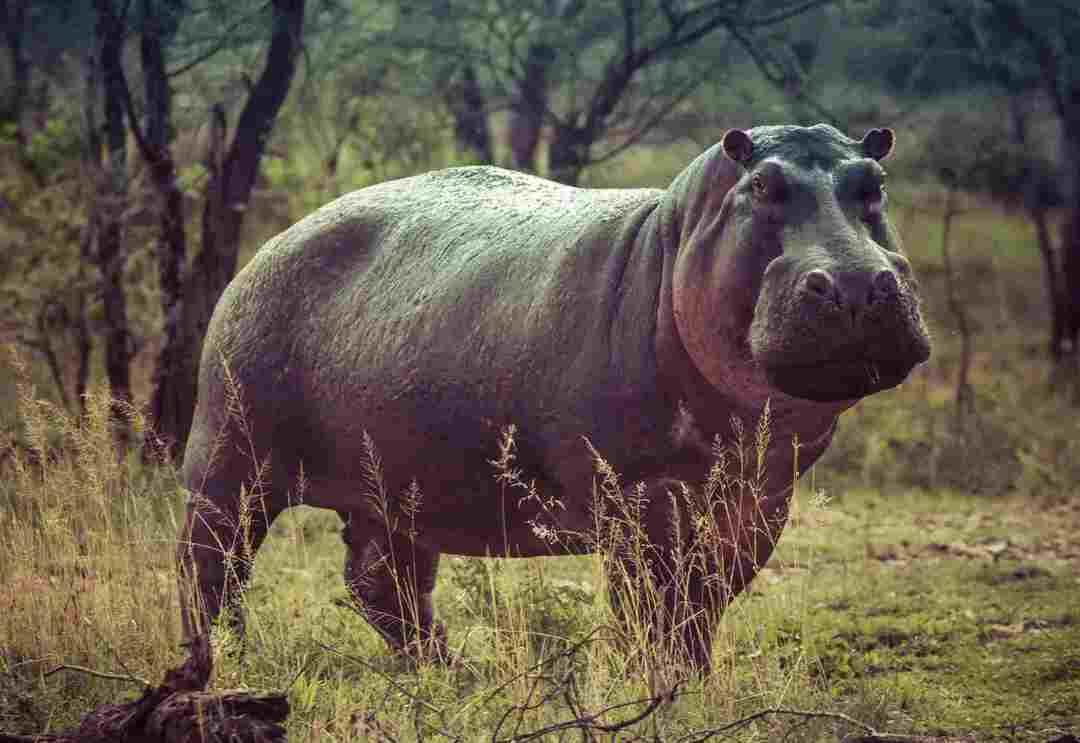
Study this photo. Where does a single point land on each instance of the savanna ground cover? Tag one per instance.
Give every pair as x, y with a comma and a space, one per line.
928, 582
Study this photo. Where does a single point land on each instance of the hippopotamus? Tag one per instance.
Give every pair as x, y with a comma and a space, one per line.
383, 344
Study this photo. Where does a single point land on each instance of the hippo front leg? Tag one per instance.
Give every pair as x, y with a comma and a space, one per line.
672, 570
390, 579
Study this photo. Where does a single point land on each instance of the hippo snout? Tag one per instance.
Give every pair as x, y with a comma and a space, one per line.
851, 294
840, 334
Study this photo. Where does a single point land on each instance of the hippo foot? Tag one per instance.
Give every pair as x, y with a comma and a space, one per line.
432, 649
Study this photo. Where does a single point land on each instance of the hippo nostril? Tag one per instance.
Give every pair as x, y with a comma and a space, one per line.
883, 286
819, 282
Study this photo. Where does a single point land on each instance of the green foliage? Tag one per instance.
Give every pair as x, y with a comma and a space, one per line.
52, 149
350, 131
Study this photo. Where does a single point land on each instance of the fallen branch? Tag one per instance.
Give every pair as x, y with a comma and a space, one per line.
177, 711
97, 674
867, 734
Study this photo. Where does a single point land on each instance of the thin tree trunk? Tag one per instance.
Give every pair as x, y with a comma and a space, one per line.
468, 107
568, 154
92, 162
166, 406
111, 254
1068, 342
530, 107
83, 340
228, 193
1051, 277
964, 399
13, 20
1070, 252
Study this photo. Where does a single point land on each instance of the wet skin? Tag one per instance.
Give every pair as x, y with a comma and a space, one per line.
430, 313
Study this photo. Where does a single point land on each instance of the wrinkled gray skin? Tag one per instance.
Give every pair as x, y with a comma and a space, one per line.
433, 311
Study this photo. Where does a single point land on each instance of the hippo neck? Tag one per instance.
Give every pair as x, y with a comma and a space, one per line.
701, 411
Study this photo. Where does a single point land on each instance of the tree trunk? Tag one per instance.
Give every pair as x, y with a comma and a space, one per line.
568, 154
1067, 331
111, 255
468, 107
571, 146
1067, 328
228, 192
965, 399
166, 410
13, 20
1036, 205
530, 107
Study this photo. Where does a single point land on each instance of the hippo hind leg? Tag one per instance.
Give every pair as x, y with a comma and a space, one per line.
390, 579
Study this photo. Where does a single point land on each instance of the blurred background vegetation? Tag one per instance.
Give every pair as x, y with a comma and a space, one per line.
148, 147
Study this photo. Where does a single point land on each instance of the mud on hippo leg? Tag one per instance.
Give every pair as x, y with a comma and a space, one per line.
390, 579
215, 553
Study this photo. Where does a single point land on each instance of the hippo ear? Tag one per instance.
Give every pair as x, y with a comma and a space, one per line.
737, 145
878, 143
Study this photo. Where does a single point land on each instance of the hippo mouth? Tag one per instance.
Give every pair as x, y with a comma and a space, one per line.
831, 381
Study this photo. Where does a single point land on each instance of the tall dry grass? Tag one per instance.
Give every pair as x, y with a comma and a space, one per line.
86, 553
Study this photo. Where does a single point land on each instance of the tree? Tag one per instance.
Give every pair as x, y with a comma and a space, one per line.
188, 300
589, 73
14, 18
111, 253
188, 294
1018, 46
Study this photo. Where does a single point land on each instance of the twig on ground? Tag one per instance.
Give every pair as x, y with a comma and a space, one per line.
591, 723
867, 733
97, 674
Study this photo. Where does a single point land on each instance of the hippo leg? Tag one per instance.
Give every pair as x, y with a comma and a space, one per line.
216, 551
678, 580
391, 578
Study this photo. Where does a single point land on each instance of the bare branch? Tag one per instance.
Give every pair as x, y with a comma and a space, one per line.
774, 73
223, 40
784, 15
98, 674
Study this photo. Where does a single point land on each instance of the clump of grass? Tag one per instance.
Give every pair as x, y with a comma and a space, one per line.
86, 575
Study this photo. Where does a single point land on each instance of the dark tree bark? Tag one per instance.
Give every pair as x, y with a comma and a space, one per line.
13, 17
468, 106
171, 246
228, 193
965, 399
1034, 193
111, 255
530, 107
1068, 340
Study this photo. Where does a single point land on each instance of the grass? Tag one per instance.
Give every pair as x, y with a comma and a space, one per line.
928, 580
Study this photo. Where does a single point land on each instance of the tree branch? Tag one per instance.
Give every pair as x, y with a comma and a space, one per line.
98, 674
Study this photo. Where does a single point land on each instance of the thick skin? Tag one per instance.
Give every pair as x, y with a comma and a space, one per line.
429, 313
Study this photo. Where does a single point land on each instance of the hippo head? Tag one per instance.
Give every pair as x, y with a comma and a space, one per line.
793, 279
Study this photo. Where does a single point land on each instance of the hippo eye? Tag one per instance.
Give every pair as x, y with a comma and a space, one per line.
875, 200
